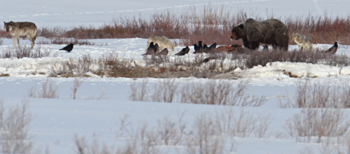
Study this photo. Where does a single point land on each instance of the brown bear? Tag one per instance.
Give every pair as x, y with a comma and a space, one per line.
271, 31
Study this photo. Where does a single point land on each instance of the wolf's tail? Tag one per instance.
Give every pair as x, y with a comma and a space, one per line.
35, 34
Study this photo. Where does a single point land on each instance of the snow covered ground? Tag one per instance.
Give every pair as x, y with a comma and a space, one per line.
102, 101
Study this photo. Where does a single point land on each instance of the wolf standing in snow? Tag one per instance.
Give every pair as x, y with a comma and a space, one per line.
304, 42
17, 29
162, 41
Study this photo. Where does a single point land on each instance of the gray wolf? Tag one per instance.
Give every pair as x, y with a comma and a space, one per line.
17, 29
68, 48
303, 41
333, 49
252, 32
162, 42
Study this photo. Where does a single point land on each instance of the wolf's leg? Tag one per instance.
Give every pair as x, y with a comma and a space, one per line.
14, 42
19, 46
31, 40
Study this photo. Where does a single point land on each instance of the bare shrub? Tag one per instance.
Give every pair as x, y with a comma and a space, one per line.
73, 67
212, 24
165, 91
319, 95
243, 125
51, 32
48, 90
210, 133
83, 147
335, 27
171, 132
318, 123
76, 85
25, 52
62, 40
139, 91
206, 137
219, 93
14, 126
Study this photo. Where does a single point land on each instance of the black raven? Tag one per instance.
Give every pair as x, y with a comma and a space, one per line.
68, 48
333, 49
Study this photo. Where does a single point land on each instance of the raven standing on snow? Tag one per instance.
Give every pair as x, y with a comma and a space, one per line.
68, 48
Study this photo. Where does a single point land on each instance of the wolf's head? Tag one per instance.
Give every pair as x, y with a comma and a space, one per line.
9, 26
295, 36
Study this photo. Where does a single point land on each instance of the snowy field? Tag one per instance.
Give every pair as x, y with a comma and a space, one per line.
102, 101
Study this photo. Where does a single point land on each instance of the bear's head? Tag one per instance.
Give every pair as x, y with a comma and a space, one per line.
237, 32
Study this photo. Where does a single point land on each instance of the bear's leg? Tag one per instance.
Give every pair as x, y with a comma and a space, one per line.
254, 45
246, 43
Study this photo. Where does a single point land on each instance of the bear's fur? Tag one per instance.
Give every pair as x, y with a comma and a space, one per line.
252, 32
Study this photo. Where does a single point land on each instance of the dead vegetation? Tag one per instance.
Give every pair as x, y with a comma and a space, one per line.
213, 92
47, 90
64, 40
322, 118
25, 52
211, 24
199, 66
209, 133
330, 94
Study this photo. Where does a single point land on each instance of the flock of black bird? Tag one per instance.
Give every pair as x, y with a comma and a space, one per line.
153, 49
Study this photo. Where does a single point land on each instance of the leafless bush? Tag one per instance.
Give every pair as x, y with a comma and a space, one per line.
73, 67
48, 90
83, 147
210, 133
212, 24
171, 132
51, 32
139, 91
319, 95
76, 85
165, 91
14, 127
206, 137
25, 52
243, 125
318, 123
219, 93
62, 40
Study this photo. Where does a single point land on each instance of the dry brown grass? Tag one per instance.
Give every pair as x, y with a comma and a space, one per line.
210, 133
311, 123
111, 65
219, 93
15, 124
330, 94
47, 90
212, 24
27, 52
